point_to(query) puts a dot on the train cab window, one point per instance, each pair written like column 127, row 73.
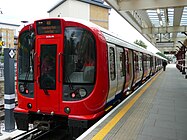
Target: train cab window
column 25, row 56
column 79, row 56
column 112, row 64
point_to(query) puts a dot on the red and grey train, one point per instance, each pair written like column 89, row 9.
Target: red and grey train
column 72, row 72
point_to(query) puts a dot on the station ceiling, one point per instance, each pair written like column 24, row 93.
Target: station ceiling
column 162, row 22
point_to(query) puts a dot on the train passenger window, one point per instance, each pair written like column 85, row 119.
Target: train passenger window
column 112, row 64
column 127, row 62
column 79, row 56
column 136, row 66
column 145, row 61
column 151, row 61
column 140, row 62
column 122, row 64
column 148, row 61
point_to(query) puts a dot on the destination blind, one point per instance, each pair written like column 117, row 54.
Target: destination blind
column 48, row 27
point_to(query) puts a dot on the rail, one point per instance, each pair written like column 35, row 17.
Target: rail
column 27, row 135
column 37, row 134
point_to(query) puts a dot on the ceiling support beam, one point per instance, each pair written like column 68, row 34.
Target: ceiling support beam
column 126, row 5
column 164, row 30
column 145, row 17
column 113, row 4
column 177, row 17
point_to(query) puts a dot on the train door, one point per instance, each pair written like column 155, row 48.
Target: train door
column 120, row 69
column 127, row 69
column 144, row 66
column 140, row 56
column 149, row 65
column 112, row 71
column 154, row 64
column 130, row 70
column 48, row 75
column 136, row 69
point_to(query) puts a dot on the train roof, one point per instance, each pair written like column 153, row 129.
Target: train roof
column 111, row 37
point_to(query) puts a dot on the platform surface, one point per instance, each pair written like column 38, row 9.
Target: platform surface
column 158, row 113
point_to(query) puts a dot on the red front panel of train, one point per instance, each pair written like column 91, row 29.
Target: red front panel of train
column 49, row 84
column 60, row 79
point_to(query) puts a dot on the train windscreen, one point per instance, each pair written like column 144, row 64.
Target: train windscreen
column 79, row 56
column 25, row 56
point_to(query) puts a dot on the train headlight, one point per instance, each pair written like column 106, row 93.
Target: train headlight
column 67, row 110
column 29, row 105
column 82, row 92
column 21, row 88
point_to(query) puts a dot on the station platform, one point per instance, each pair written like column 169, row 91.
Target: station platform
column 157, row 111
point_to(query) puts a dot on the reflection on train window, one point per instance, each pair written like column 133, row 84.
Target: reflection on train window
column 112, row 64
column 136, row 66
column 79, row 56
column 25, row 56
column 148, row 61
column 127, row 62
column 122, row 64
column 48, row 67
column 145, row 61
column 140, row 62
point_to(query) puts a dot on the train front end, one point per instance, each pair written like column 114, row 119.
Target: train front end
column 62, row 74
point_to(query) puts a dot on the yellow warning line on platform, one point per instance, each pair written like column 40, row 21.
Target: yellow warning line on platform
column 103, row 132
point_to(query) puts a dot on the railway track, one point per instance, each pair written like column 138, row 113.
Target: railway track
column 57, row 133
column 33, row 134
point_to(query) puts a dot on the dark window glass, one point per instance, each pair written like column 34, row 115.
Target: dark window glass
column 48, row 67
column 122, row 64
column 140, row 62
column 145, row 61
column 127, row 62
column 48, row 27
column 112, row 64
column 79, row 56
column 25, row 56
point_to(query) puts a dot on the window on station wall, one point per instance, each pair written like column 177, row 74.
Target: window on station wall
column 112, row 64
